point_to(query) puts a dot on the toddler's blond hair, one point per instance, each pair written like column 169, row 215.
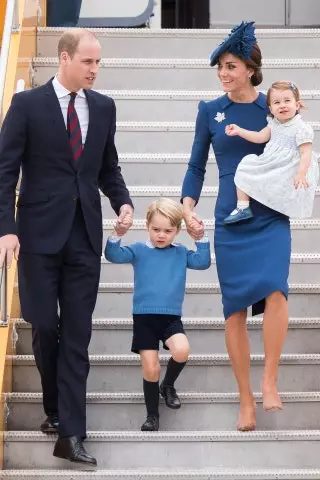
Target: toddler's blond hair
column 168, row 208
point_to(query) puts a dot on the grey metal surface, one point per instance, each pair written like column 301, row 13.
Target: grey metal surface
column 192, row 74
column 112, row 336
column 167, row 474
column 151, row 106
column 171, row 43
column 211, row 373
column 293, row 449
column 143, row 196
column 198, row 412
column 305, row 234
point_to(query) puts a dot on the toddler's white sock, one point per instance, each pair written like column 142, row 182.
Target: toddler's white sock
column 242, row 204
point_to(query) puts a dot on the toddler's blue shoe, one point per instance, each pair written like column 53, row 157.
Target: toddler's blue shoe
column 238, row 215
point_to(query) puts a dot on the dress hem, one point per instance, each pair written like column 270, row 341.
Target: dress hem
column 240, row 309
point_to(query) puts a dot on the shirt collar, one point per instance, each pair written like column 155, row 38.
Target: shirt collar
column 225, row 101
column 61, row 91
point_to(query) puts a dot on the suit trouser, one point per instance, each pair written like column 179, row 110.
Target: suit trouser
column 63, row 13
column 70, row 279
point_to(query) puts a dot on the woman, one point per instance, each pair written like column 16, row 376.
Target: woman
column 252, row 257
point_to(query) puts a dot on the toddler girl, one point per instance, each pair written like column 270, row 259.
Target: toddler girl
column 284, row 177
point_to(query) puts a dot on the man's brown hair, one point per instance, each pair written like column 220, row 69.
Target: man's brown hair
column 70, row 40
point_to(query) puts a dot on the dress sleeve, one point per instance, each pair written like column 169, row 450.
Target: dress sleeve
column 193, row 180
column 304, row 134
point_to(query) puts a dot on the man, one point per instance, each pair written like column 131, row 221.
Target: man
column 62, row 134
column 62, row 13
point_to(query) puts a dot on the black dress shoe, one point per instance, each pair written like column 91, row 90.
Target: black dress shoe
column 51, row 424
column 168, row 392
column 151, row 424
column 71, row 448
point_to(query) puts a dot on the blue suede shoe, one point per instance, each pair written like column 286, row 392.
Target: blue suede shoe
column 239, row 216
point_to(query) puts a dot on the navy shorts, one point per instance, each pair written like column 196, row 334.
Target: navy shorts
column 149, row 329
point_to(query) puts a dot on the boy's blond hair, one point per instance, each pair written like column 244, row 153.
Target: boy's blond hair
column 168, row 208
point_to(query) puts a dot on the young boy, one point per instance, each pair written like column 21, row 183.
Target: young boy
column 159, row 287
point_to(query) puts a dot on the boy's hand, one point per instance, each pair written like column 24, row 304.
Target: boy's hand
column 232, row 130
column 300, row 181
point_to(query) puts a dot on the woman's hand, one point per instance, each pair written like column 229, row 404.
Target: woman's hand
column 232, row 130
column 300, row 181
column 194, row 225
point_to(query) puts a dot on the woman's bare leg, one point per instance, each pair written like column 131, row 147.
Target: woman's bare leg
column 238, row 347
column 275, row 326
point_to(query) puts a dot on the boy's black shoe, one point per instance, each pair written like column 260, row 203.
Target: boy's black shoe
column 168, row 392
column 151, row 424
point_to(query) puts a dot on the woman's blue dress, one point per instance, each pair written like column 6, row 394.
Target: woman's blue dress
column 253, row 257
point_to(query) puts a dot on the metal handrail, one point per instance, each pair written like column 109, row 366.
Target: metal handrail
column 4, row 295
column 9, row 24
column 4, row 270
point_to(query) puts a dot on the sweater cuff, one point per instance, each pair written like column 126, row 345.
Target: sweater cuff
column 113, row 240
column 204, row 239
column 203, row 243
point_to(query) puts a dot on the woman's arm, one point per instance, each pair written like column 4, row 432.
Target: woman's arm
column 255, row 137
column 300, row 179
column 194, row 178
column 194, row 224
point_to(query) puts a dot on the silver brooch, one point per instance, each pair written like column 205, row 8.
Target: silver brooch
column 220, row 117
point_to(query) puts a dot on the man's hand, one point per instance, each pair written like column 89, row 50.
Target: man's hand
column 9, row 246
column 125, row 220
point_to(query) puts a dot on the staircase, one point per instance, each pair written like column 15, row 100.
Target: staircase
column 157, row 80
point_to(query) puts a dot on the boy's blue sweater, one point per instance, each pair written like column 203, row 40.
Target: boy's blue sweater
column 159, row 273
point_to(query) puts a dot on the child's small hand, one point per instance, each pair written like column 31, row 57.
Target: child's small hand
column 232, row 130
column 300, row 181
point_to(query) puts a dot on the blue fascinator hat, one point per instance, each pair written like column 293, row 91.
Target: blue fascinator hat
column 239, row 43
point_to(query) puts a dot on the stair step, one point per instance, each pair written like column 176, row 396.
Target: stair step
column 175, row 105
column 206, row 335
column 146, row 137
column 142, row 196
column 166, row 73
column 170, row 474
column 304, row 233
column 204, row 373
column 304, row 266
column 164, row 169
column 287, row 449
column 115, row 299
column 185, row 43
column 200, row 411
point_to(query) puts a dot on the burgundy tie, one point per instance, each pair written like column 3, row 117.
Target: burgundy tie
column 73, row 128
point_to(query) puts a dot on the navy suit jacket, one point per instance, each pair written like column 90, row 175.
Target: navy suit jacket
column 34, row 137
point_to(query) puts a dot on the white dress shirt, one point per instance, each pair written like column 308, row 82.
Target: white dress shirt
column 81, row 106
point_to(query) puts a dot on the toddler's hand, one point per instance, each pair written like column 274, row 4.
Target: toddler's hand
column 232, row 130
column 300, row 181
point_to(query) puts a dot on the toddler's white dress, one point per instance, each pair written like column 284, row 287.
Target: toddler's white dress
column 268, row 178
